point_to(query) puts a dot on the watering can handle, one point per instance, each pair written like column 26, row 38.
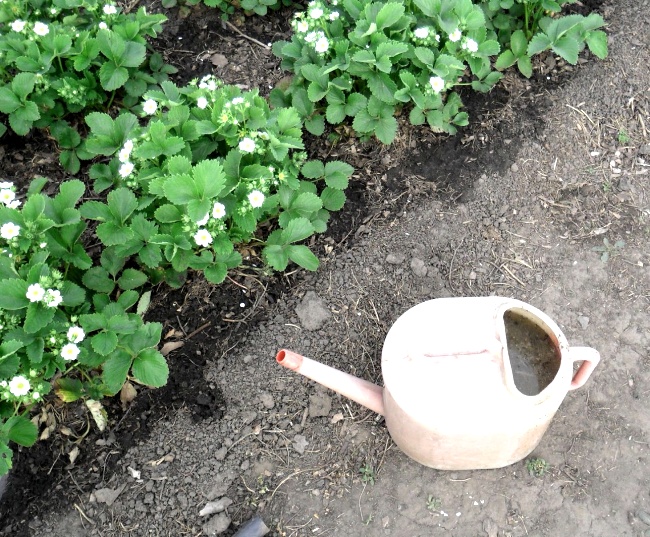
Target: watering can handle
column 589, row 358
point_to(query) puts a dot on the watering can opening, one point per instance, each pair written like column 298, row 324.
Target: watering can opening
column 533, row 351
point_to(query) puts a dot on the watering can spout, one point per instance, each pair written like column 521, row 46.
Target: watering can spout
column 361, row 391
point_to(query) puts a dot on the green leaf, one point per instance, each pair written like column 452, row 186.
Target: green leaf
column 333, row 199
column 72, row 294
column 13, row 294
column 104, row 343
column 337, row 174
column 131, row 279
column 216, row 273
column 307, row 203
column 122, row 202
column 8, row 101
column 389, row 15
column 568, row 48
column 180, row 189
column 597, row 43
column 313, row 169
column 539, row 43
column 303, row 256
column 115, row 370
column 37, row 317
column 209, row 177
column 20, row 430
column 27, row 112
column 386, row 129
column 315, row 125
column 356, row 102
column 489, row 48
column 505, row 60
column 297, row 229
column 431, row 8
column 68, row 390
column 150, row 368
column 167, row 214
column 518, row 43
column 23, row 84
column 97, row 279
column 276, row 256
column 525, row 66
column 112, row 76
column 143, row 303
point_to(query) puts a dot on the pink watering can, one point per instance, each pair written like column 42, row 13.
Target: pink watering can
column 469, row 383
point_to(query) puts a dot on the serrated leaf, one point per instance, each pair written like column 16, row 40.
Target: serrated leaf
column 97, row 279
column 276, row 256
column 313, row 169
column 307, row 203
column 597, row 43
column 539, row 43
column 333, row 199
column 20, row 430
column 150, row 368
column 298, row 229
column 567, row 48
column 303, row 256
column 104, row 343
column 68, row 390
column 315, row 125
column 389, row 15
column 37, row 317
column 112, row 76
column 506, row 59
column 143, row 303
column 131, row 279
column 337, row 174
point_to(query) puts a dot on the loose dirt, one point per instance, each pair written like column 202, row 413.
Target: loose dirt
column 524, row 204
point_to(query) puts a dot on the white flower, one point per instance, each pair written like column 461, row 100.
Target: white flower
column 41, row 29
column 128, row 146
column 204, row 220
column 322, row 45
column 212, row 85
column 124, row 155
column 19, row 386
column 311, row 37
column 218, row 210
column 334, row 15
column 421, row 33
column 150, row 106
column 103, row 26
column 316, row 13
column 7, row 196
column 76, row 334
column 110, row 9
column 52, row 298
column 238, row 100
column 455, row 35
column 437, row 83
column 201, row 102
column 18, row 25
column 471, row 45
column 5, row 184
column 36, row 396
column 256, row 198
column 69, row 352
column 35, row 292
column 126, row 169
column 42, row 245
column 302, row 27
column 3, row 383
column 14, row 204
column 9, row 230
column 203, row 238
column 247, row 145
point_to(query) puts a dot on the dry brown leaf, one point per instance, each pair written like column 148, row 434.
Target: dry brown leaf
column 219, row 60
column 74, row 453
column 127, row 394
column 171, row 346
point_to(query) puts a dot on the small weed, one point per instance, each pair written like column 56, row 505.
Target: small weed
column 537, row 467
column 623, row 137
column 433, row 504
column 368, row 520
column 367, row 474
column 608, row 250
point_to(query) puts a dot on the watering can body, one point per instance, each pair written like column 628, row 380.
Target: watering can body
column 450, row 399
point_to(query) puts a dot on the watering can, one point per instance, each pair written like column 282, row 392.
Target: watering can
column 469, row 382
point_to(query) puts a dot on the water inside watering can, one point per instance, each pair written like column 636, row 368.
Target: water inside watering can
column 534, row 357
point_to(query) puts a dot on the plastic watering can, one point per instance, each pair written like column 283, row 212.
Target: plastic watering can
column 469, row 383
